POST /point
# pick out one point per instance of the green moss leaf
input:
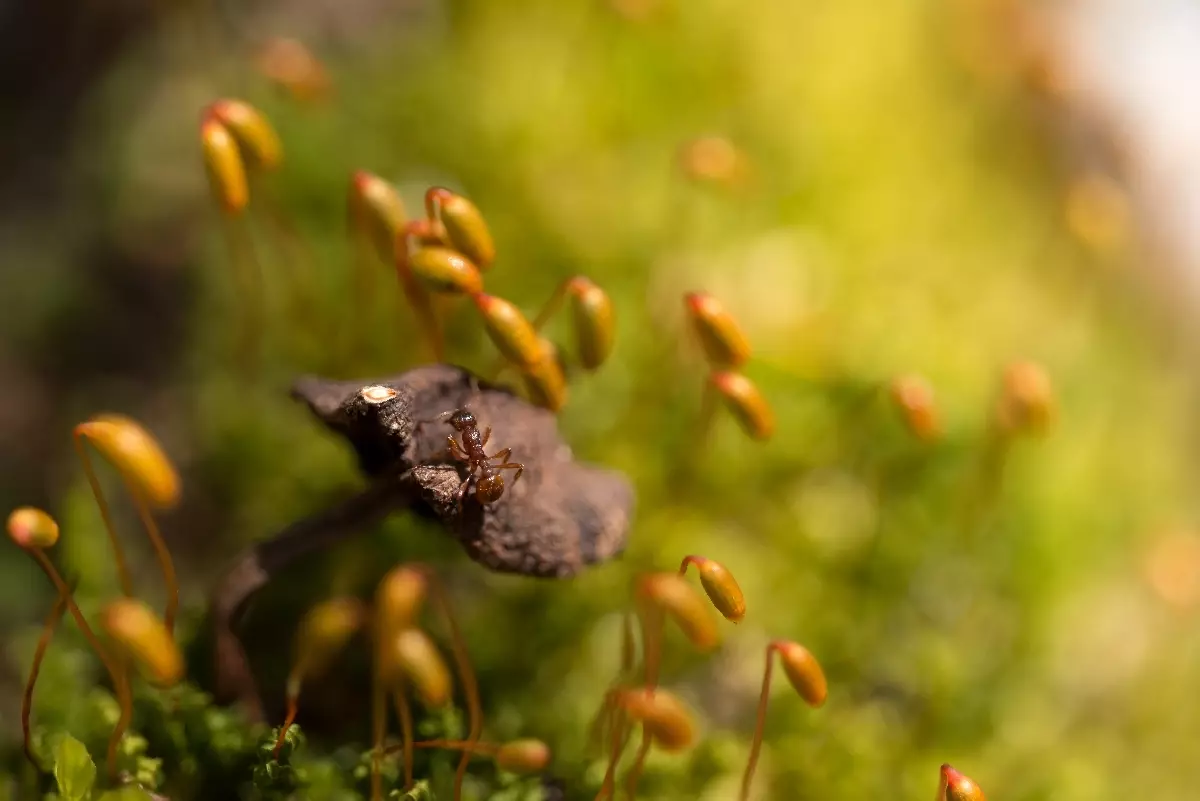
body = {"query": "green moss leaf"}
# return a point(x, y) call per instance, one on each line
point(129, 793)
point(73, 769)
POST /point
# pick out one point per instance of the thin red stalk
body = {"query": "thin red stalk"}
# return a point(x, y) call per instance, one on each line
point(404, 712)
point(163, 554)
point(470, 685)
point(115, 670)
point(105, 514)
point(52, 620)
point(639, 762)
point(760, 723)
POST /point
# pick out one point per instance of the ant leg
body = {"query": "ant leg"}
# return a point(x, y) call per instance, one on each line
point(520, 468)
point(501, 455)
point(462, 488)
point(487, 434)
point(456, 450)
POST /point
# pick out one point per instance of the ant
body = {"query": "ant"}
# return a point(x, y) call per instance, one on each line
point(489, 484)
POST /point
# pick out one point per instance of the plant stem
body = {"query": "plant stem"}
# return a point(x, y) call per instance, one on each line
point(760, 723)
point(105, 514)
point(52, 620)
point(115, 670)
point(470, 685)
point(163, 554)
point(404, 712)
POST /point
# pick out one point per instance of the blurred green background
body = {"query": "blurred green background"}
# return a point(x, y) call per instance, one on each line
point(908, 203)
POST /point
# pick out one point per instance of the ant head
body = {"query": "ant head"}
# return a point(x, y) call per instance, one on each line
point(461, 419)
point(489, 488)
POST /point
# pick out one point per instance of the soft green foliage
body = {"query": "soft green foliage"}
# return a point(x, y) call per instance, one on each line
point(905, 214)
point(73, 769)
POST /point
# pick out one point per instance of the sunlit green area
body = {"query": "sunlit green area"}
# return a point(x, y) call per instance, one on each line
point(1025, 612)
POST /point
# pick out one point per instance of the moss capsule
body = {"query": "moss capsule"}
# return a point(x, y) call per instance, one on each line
point(32, 528)
point(720, 586)
point(444, 270)
point(746, 403)
point(725, 345)
point(666, 718)
point(803, 671)
point(465, 227)
point(399, 597)
point(137, 454)
point(377, 211)
point(523, 756)
point(672, 594)
point(226, 172)
point(511, 333)
point(1027, 402)
point(141, 635)
point(593, 321)
point(255, 137)
point(958, 787)
point(913, 398)
point(412, 657)
point(545, 381)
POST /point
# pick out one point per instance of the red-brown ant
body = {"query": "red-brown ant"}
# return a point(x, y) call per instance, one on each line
point(489, 484)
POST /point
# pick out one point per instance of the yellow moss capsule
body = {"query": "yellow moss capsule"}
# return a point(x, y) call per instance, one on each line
point(914, 399)
point(324, 631)
point(255, 137)
point(32, 528)
point(713, 159)
point(592, 313)
point(136, 454)
point(958, 787)
point(445, 270)
point(290, 65)
point(140, 633)
point(724, 344)
point(545, 381)
point(226, 172)
point(746, 403)
point(1026, 400)
point(399, 596)
point(464, 225)
point(666, 718)
point(412, 656)
point(377, 211)
point(720, 586)
point(803, 671)
point(523, 756)
point(511, 333)
point(672, 594)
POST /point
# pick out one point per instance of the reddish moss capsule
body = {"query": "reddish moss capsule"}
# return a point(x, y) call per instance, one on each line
point(464, 225)
point(32, 528)
point(523, 756)
point(141, 635)
point(545, 381)
point(255, 137)
point(137, 454)
point(672, 594)
point(958, 787)
point(667, 720)
point(511, 333)
point(226, 172)
point(724, 344)
point(746, 403)
point(593, 319)
point(377, 211)
point(803, 671)
point(445, 270)
point(1026, 399)
point(914, 399)
point(292, 66)
point(720, 586)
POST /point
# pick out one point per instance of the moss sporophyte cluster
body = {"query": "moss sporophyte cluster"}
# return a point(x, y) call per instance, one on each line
point(420, 437)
